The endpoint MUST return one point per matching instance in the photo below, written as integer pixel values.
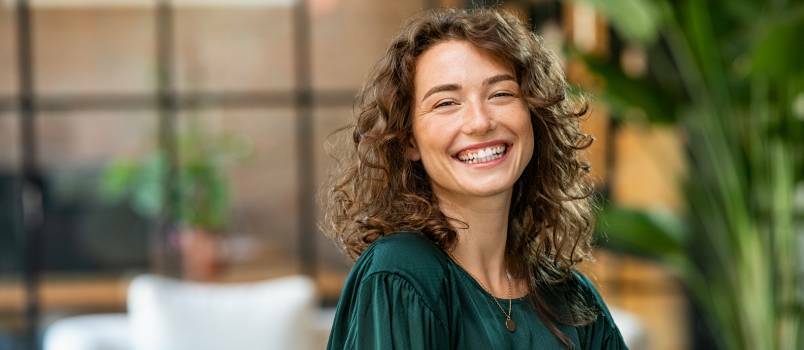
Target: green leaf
(626, 95)
(703, 40)
(779, 53)
(147, 193)
(635, 20)
(116, 179)
(655, 234)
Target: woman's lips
(478, 146)
(486, 155)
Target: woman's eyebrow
(439, 88)
(498, 78)
(452, 87)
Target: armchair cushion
(88, 332)
(167, 314)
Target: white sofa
(167, 314)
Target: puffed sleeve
(603, 332)
(388, 312)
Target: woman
(465, 202)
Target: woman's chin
(485, 190)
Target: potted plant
(730, 76)
(201, 202)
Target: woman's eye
(502, 94)
(445, 104)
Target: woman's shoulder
(591, 293)
(602, 332)
(407, 255)
(586, 285)
(393, 297)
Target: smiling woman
(464, 198)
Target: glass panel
(234, 48)
(8, 52)
(92, 240)
(109, 50)
(259, 169)
(348, 37)
(11, 313)
(11, 292)
(86, 230)
(9, 141)
(10, 234)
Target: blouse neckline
(522, 299)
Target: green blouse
(406, 293)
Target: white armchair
(167, 314)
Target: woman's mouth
(482, 155)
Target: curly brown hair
(377, 190)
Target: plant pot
(201, 254)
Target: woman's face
(471, 128)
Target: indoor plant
(201, 203)
(730, 76)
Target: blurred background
(180, 145)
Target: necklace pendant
(510, 325)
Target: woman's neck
(481, 242)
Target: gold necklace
(509, 322)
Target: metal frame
(31, 182)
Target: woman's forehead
(457, 62)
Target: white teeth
(483, 155)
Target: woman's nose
(477, 120)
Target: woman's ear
(412, 151)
